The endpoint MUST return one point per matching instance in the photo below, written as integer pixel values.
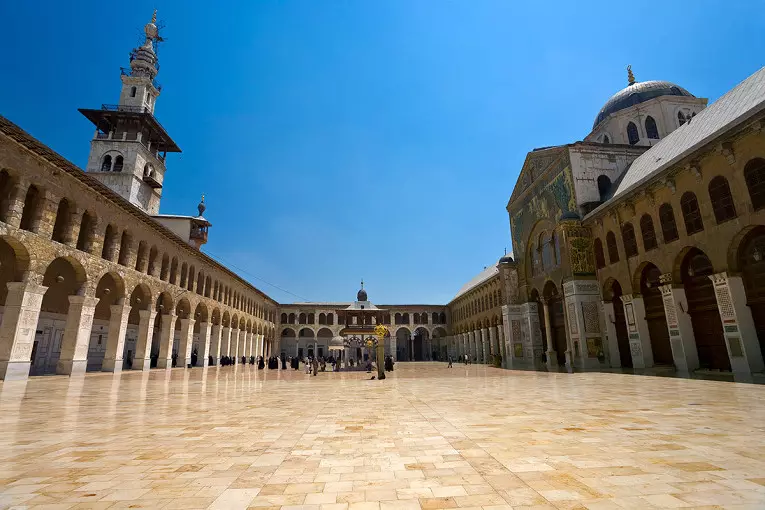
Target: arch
(629, 240)
(126, 240)
(322, 318)
(442, 317)
(165, 267)
(613, 250)
(722, 200)
(306, 333)
(183, 308)
(62, 225)
(110, 290)
(302, 318)
(331, 319)
(151, 270)
(140, 299)
(119, 161)
(288, 333)
(632, 133)
(750, 257)
(110, 243)
(702, 307)
(200, 290)
(284, 319)
(600, 258)
(420, 345)
(754, 175)
(190, 278)
(691, 213)
(620, 325)
(668, 224)
(208, 286)
(291, 318)
(106, 163)
(142, 257)
(604, 187)
(14, 264)
(201, 314)
(324, 333)
(648, 232)
(403, 339)
(405, 318)
(30, 214)
(311, 318)
(64, 277)
(215, 317)
(651, 131)
(226, 319)
(648, 282)
(85, 236)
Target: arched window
(691, 213)
(629, 239)
(613, 251)
(331, 319)
(668, 225)
(84, 239)
(606, 139)
(604, 187)
(600, 258)
(61, 226)
(311, 318)
(651, 131)
(302, 318)
(648, 232)
(545, 245)
(132, 91)
(106, 164)
(681, 119)
(118, 162)
(754, 173)
(322, 318)
(722, 201)
(534, 255)
(632, 133)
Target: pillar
(115, 341)
(225, 340)
(74, 345)
(142, 359)
(637, 328)
(242, 343)
(215, 333)
(583, 331)
(473, 346)
(486, 357)
(165, 359)
(393, 346)
(204, 344)
(17, 331)
(610, 331)
(15, 205)
(685, 356)
(552, 356)
(46, 216)
(493, 340)
(740, 334)
(186, 342)
(73, 225)
(233, 348)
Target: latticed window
(648, 232)
(600, 258)
(722, 201)
(691, 213)
(754, 173)
(651, 131)
(613, 250)
(629, 239)
(632, 133)
(668, 224)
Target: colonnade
(481, 345)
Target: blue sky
(341, 139)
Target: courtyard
(426, 437)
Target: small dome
(362, 295)
(337, 341)
(507, 259)
(637, 93)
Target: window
(754, 173)
(106, 164)
(606, 139)
(691, 213)
(722, 201)
(632, 133)
(546, 251)
(600, 258)
(604, 187)
(680, 118)
(629, 239)
(648, 232)
(668, 225)
(118, 161)
(613, 251)
(651, 131)
(132, 91)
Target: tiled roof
(478, 279)
(739, 104)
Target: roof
(735, 107)
(481, 277)
(637, 93)
(198, 219)
(107, 118)
(42, 151)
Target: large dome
(637, 93)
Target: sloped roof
(478, 279)
(735, 107)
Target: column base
(184, 363)
(14, 370)
(164, 363)
(552, 359)
(201, 363)
(141, 364)
(71, 367)
(111, 365)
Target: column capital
(83, 300)
(30, 287)
(147, 314)
(719, 278)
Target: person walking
(315, 364)
(450, 362)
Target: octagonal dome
(637, 93)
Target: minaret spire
(630, 77)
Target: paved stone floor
(428, 437)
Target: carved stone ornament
(695, 169)
(726, 149)
(670, 183)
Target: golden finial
(203, 198)
(630, 76)
(154, 16)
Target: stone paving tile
(427, 438)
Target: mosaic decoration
(516, 327)
(580, 250)
(591, 317)
(518, 350)
(635, 349)
(724, 302)
(572, 319)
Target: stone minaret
(129, 147)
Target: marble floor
(427, 437)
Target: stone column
(242, 343)
(204, 343)
(493, 341)
(474, 346)
(225, 341)
(486, 358)
(233, 349)
(115, 342)
(738, 326)
(262, 346)
(681, 337)
(637, 327)
(15, 205)
(552, 356)
(165, 359)
(393, 346)
(73, 225)
(186, 342)
(142, 359)
(73, 359)
(215, 352)
(46, 215)
(17, 331)
(611, 339)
